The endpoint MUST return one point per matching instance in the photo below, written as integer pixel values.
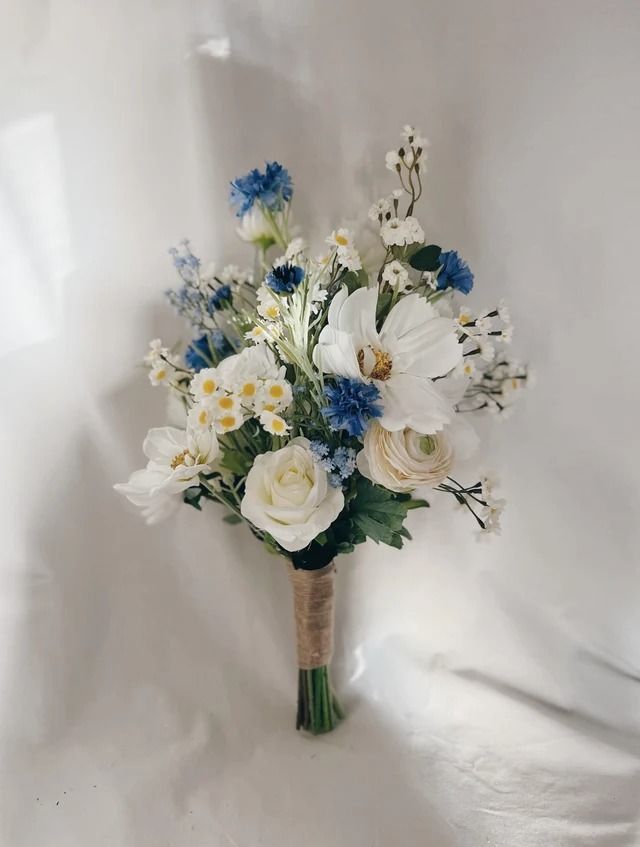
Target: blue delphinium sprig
(219, 297)
(338, 466)
(351, 404)
(285, 278)
(454, 273)
(271, 189)
(198, 354)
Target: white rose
(406, 459)
(288, 495)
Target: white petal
(412, 401)
(163, 443)
(358, 317)
(419, 341)
(335, 354)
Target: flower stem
(318, 708)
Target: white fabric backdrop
(147, 676)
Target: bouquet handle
(313, 604)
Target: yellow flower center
(273, 311)
(341, 240)
(277, 425)
(374, 363)
(227, 421)
(248, 389)
(203, 417)
(269, 407)
(179, 459)
(276, 391)
(161, 374)
(225, 403)
(208, 386)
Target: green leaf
(427, 258)
(232, 518)
(236, 462)
(355, 279)
(379, 514)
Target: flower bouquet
(319, 393)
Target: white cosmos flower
(405, 459)
(413, 346)
(176, 458)
(288, 495)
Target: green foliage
(236, 462)
(370, 512)
(426, 258)
(355, 279)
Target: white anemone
(176, 457)
(414, 346)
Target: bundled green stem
(318, 707)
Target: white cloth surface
(147, 676)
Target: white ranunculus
(413, 346)
(405, 459)
(176, 458)
(288, 495)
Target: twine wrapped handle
(313, 593)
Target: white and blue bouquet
(322, 390)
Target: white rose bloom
(176, 458)
(288, 495)
(406, 459)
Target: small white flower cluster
(412, 154)
(400, 233)
(347, 255)
(482, 331)
(161, 370)
(238, 389)
(396, 275)
(495, 506)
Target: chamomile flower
(396, 275)
(273, 423)
(248, 390)
(466, 367)
(492, 513)
(156, 351)
(201, 416)
(464, 318)
(507, 334)
(277, 392)
(342, 239)
(487, 351)
(503, 312)
(268, 305)
(205, 385)
(228, 422)
(350, 260)
(224, 404)
(161, 374)
(256, 334)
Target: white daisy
(223, 404)
(413, 346)
(161, 374)
(295, 248)
(257, 334)
(277, 392)
(201, 416)
(156, 351)
(228, 422)
(268, 306)
(350, 260)
(342, 239)
(274, 423)
(205, 384)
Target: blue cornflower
(285, 278)
(351, 405)
(335, 480)
(454, 273)
(272, 189)
(219, 297)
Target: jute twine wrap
(313, 608)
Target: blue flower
(351, 405)
(198, 354)
(219, 297)
(285, 278)
(454, 273)
(344, 461)
(272, 189)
